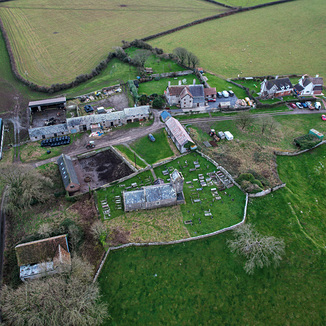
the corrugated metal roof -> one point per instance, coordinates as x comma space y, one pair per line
50, 101
67, 170
165, 115
178, 131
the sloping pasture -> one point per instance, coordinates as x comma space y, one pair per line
281, 39
53, 42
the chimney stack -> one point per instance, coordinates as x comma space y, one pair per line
194, 82
179, 82
169, 83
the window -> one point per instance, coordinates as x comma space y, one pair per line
55, 135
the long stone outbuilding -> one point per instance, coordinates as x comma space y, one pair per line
84, 123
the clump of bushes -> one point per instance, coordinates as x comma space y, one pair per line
133, 90
306, 141
249, 183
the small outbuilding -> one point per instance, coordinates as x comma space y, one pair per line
316, 133
43, 257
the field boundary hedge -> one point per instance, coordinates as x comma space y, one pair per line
298, 152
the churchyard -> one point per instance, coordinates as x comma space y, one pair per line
212, 201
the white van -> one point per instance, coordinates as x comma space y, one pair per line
225, 94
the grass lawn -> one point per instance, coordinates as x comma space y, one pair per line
116, 72
225, 212
159, 86
247, 51
243, 3
158, 65
192, 116
33, 151
61, 40
221, 85
130, 156
153, 152
201, 282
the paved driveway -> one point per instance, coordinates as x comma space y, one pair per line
214, 105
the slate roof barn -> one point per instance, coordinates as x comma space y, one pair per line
68, 173
178, 134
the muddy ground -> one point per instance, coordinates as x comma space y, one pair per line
117, 101
102, 168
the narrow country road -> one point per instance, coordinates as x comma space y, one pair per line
129, 135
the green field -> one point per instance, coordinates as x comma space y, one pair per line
260, 42
243, 3
131, 156
202, 283
153, 152
53, 42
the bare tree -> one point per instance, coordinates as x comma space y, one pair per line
141, 57
260, 251
244, 119
181, 54
267, 124
193, 61
25, 185
65, 299
99, 231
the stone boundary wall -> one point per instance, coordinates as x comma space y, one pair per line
208, 235
298, 152
267, 191
123, 158
173, 74
220, 4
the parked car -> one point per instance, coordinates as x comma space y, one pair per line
292, 105
151, 137
225, 94
211, 100
323, 117
88, 108
231, 93
299, 105
317, 106
247, 99
219, 94
304, 105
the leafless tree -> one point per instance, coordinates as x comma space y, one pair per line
181, 54
25, 185
140, 57
259, 251
99, 230
193, 61
267, 124
65, 299
244, 119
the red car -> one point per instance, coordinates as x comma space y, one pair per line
211, 100
293, 106
323, 117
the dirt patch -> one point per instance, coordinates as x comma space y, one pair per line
102, 168
117, 101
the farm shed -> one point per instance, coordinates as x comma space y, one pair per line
276, 88
316, 133
157, 195
178, 135
68, 173
48, 131
210, 93
43, 257
48, 103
